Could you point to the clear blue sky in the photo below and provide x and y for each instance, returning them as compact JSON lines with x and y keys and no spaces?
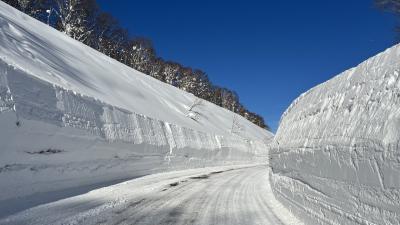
{"x":269,"y":52}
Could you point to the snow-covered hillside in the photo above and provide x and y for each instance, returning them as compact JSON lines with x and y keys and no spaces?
{"x":70,"y":116}
{"x":336,"y":153}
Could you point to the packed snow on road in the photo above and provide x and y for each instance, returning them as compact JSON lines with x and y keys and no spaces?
{"x":216,"y":195}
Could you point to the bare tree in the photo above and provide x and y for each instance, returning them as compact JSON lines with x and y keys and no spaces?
{"x":193,"y":112}
{"x":25,"y":4}
{"x":392,"y":6}
{"x":236,"y":128}
{"x":76,"y":17}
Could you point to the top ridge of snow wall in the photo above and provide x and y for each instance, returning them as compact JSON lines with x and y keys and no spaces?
{"x":335,"y":158}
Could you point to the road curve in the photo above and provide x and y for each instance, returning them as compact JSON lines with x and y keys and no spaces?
{"x":231,"y":196}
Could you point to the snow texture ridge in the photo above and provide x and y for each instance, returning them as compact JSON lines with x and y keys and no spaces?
{"x":335,"y":158}
{"x":70,"y":116}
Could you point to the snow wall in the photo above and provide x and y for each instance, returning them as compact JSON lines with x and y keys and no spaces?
{"x":52,"y":139}
{"x":335,"y":158}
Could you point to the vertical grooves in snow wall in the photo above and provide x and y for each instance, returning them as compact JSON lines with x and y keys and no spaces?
{"x":336,"y":156}
{"x":52,"y":138}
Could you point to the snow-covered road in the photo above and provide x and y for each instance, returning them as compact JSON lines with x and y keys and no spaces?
{"x":219,"y":195}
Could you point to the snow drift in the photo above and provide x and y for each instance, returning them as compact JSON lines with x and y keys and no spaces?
{"x":70,"y":116}
{"x":336,"y":156}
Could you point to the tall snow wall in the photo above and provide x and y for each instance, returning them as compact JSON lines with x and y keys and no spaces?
{"x":336,"y":154}
{"x":52,"y":139}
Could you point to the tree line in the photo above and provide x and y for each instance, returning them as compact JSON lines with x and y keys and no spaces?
{"x":84,"y":21}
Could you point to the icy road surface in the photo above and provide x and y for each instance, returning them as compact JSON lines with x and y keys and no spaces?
{"x":218,"y":195}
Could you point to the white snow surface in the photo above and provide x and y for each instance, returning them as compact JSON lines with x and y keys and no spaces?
{"x":335,"y":158}
{"x":72,"y":117}
{"x":231,"y":195}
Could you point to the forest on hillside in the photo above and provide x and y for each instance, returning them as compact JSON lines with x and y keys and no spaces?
{"x":84,"y":21}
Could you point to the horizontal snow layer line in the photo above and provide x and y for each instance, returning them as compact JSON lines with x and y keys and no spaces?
{"x":55,"y":141}
{"x":34,"y":99}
